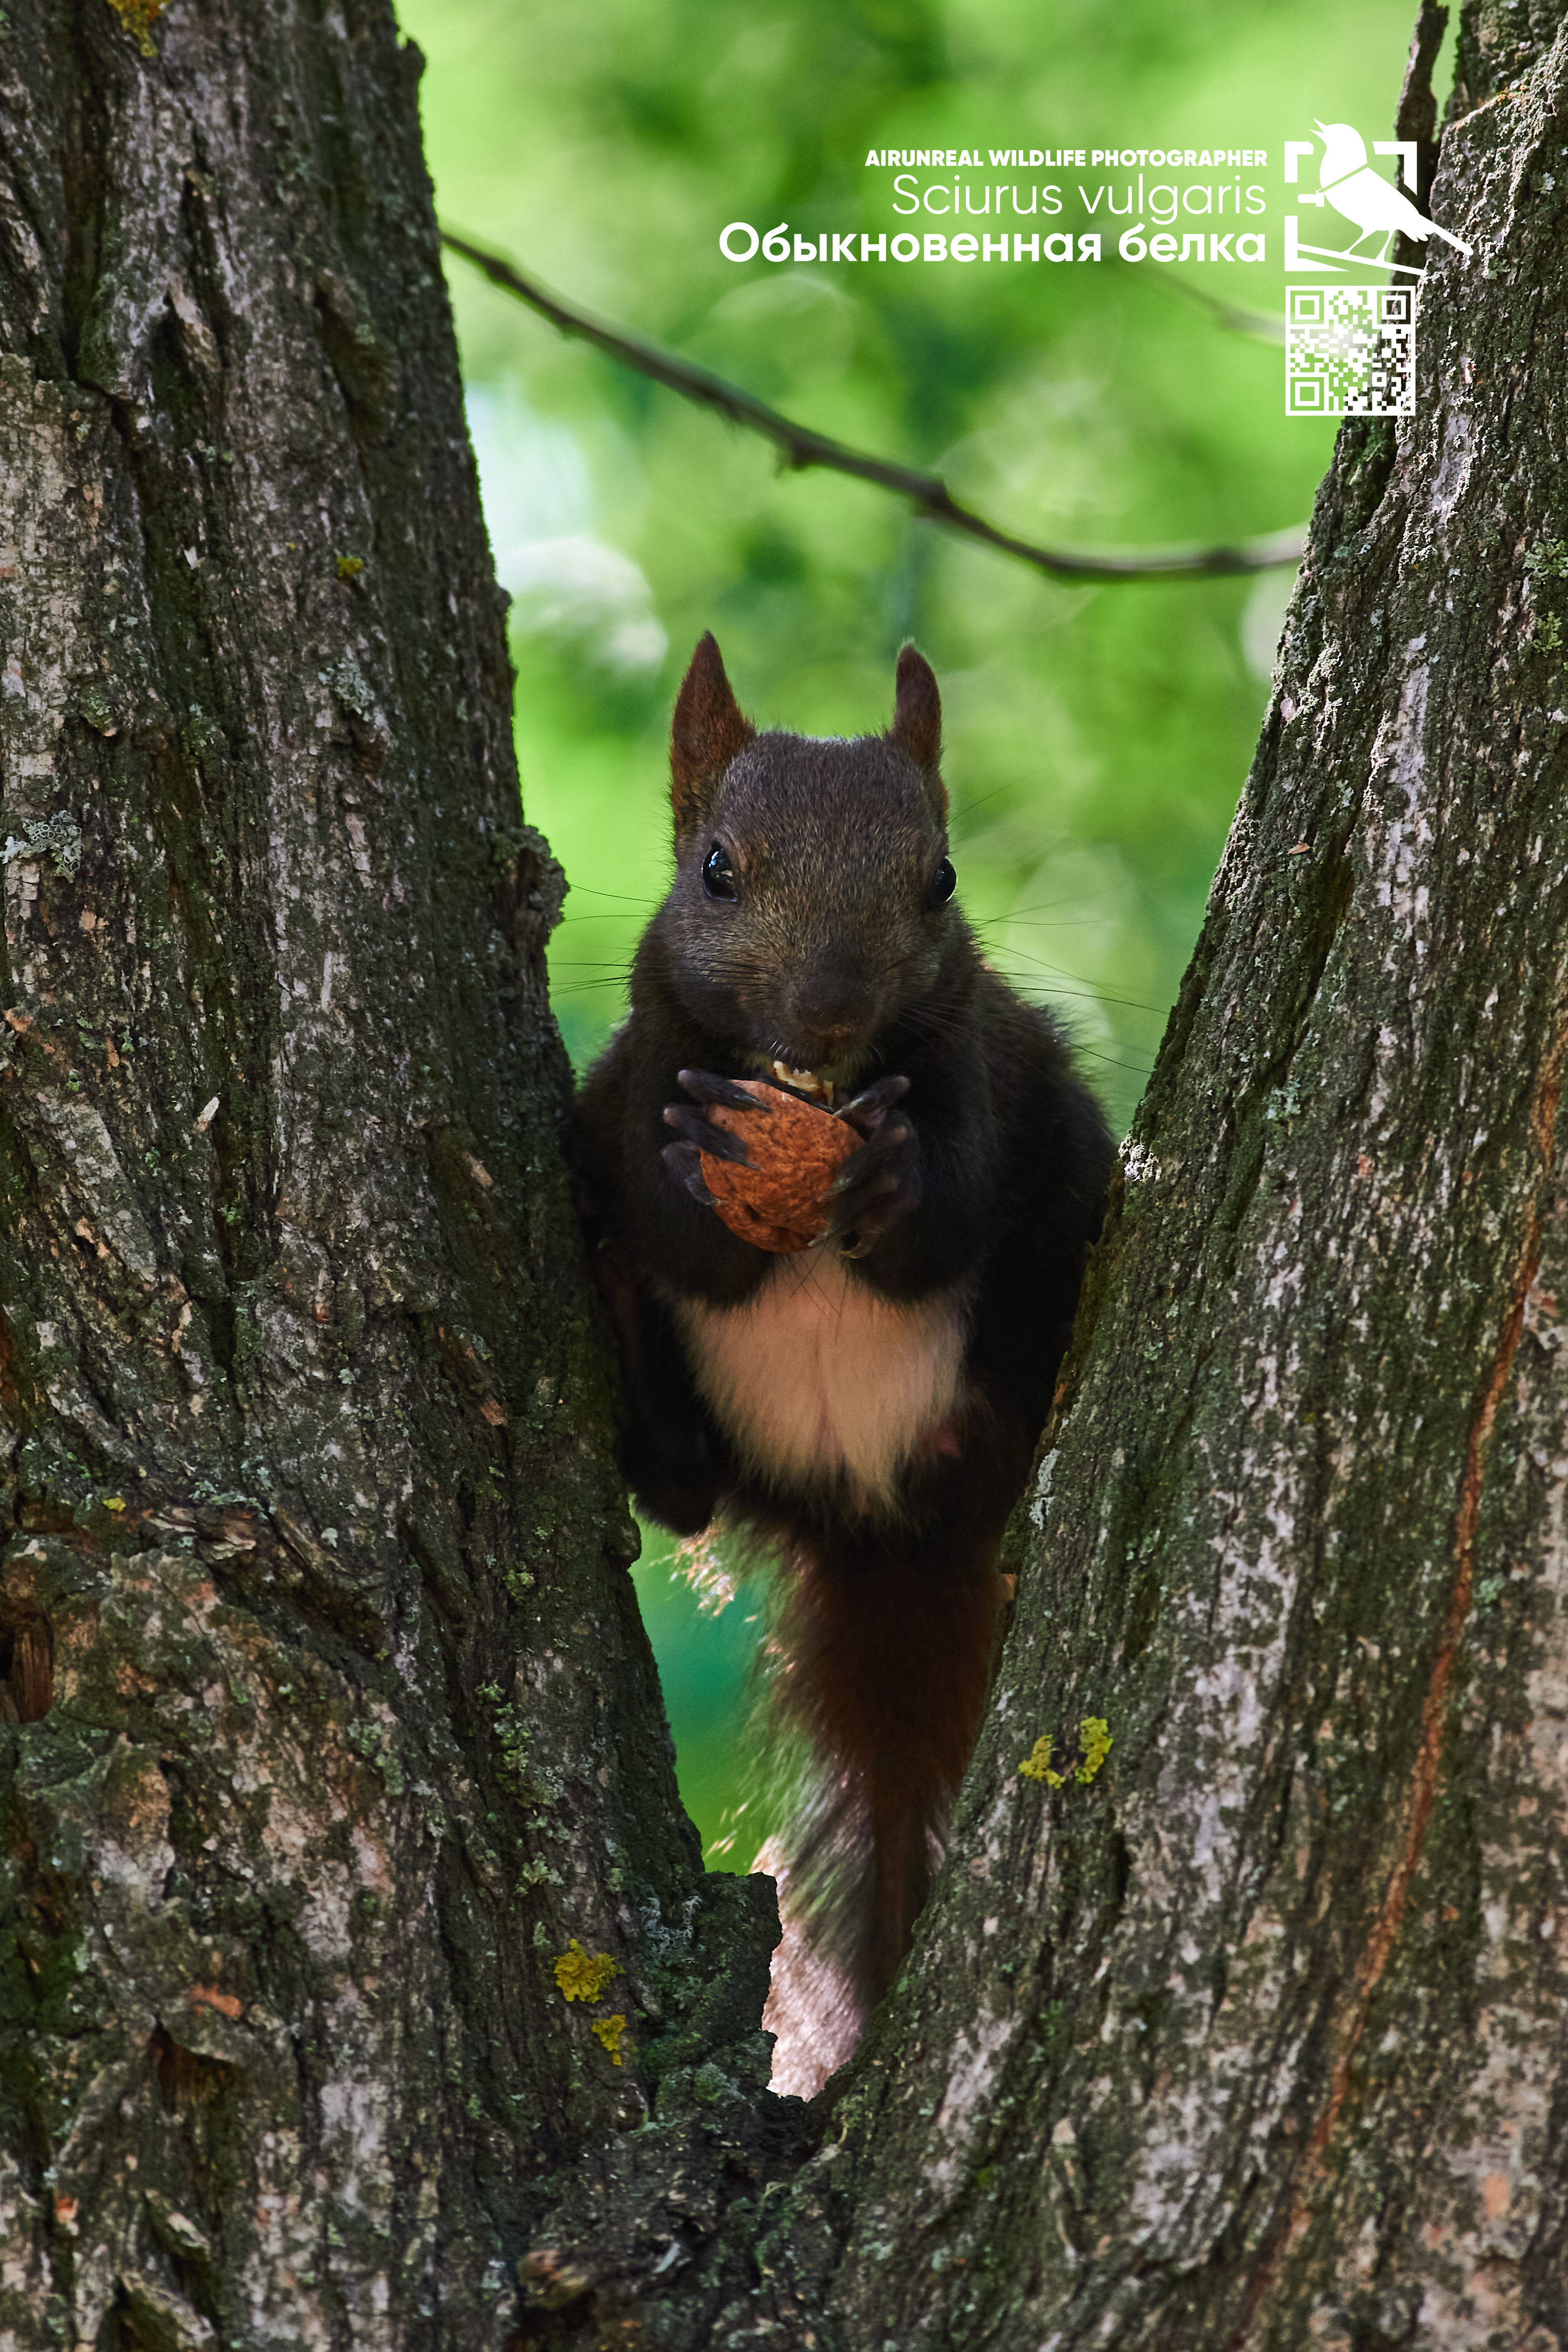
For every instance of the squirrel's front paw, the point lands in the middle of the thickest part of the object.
(880, 1184)
(698, 1133)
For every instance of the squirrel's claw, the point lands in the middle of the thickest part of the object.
(881, 1096)
(684, 1162)
(875, 1189)
(878, 1184)
(871, 1106)
(867, 1178)
(704, 1087)
(699, 1135)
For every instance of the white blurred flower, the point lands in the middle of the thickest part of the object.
(537, 488)
(577, 586)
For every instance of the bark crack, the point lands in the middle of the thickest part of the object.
(1423, 1795)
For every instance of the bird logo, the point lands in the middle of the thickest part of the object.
(1347, 182)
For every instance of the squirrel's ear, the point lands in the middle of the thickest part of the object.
(705, 734)
(917, 717)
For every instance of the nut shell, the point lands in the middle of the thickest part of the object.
(780, 1203)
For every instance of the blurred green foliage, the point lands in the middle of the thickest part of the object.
(1097, 738)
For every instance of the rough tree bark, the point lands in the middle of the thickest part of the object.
(330, 1725)
(1261, 2039)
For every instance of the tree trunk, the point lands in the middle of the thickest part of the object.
(330, 1723)
(1259, 2037)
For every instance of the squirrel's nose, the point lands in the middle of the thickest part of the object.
(832, 1010)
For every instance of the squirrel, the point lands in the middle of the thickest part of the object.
(868, 1408)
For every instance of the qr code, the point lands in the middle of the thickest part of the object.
(1350, 351)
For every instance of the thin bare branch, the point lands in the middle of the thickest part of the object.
(927, 493)
(1236, 321)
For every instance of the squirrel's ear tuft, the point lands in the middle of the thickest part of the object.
(707, 729)
(917, 715)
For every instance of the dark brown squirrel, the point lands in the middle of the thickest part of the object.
(867, 1408)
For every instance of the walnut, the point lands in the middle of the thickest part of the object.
(780, 1203)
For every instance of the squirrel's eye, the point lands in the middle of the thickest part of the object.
(943, 882)
(719, 875)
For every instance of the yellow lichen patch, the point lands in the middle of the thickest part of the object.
(1036, 1764)
(609, 2030)
(348, 566)
(1095, 1743)
(139, 17)
(1094, 1739)
(581, 1978)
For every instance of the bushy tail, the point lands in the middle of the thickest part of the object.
(882, 1647)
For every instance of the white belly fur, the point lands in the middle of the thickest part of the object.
(817, 1379)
